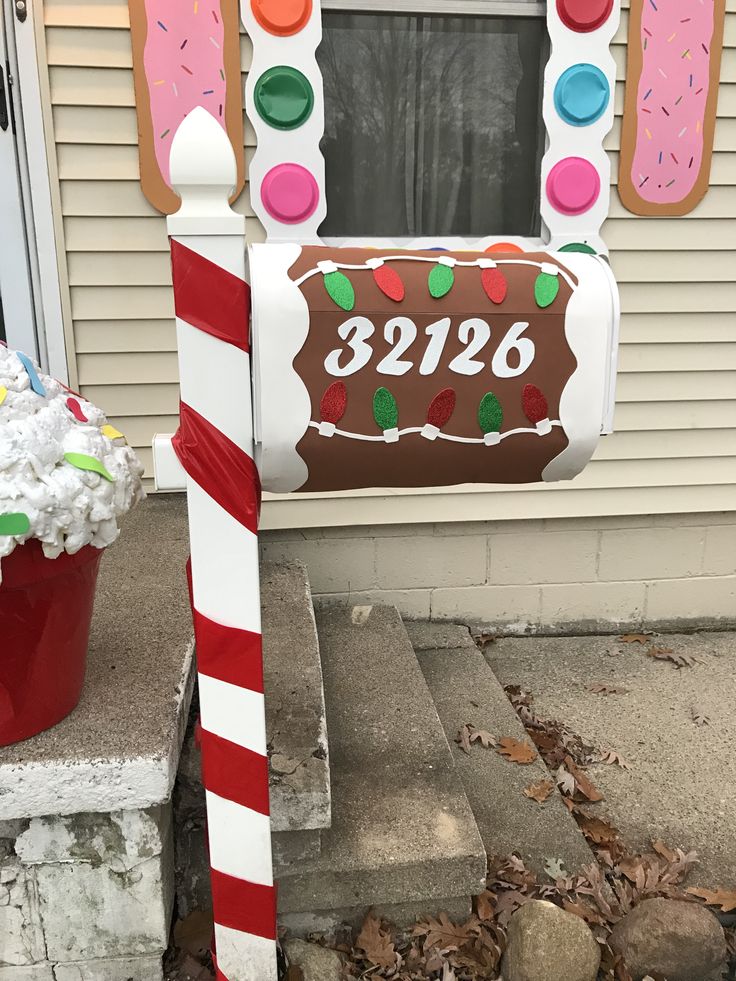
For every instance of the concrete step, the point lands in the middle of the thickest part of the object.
(295, 705)
(403, 838)
(465, 690)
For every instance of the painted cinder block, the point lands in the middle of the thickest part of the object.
(564, 557)
(21, 932)
(720, 550)
(651, 553)
(114, 969)
(514, 609)
(709, 600)
(414, 604)
(34, 972)
(409, 563)
(333, 565)
(591, 605)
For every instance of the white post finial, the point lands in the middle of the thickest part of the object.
(203, 173)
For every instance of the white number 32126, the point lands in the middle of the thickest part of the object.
(401, 332)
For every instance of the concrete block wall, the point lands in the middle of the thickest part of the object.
(546, 576)
(86, 897)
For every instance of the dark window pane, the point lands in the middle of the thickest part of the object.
(432, 124)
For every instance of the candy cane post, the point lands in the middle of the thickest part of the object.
(214, 445)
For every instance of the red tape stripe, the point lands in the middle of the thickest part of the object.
(223, 471)
(244, 906)
(228, 653)
(209, 297)
(234, 772)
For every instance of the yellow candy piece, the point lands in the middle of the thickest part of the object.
(111, 432)
(3, 393)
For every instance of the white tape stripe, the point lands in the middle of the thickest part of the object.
(234, 713)
(240, 840)
(224, 563)
(215, 380)
(244, 957)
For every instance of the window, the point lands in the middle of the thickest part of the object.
(433, 124)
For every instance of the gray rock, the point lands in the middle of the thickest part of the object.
(680, 940)
(545, 943)
(317, 963)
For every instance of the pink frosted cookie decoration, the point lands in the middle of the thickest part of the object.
(672, 87)
(185, 55)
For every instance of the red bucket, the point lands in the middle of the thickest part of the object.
(45, 615)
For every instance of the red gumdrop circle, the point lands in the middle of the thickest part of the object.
(583, 16)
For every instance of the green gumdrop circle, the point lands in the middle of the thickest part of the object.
(283, 97)
(546, 289)
(340, 289)
(490, 414)
(441, 280)
(385, 410)
(578, 247)
(16, 523)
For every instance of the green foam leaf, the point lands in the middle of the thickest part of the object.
(16, 523)
(441, 280)
(546, 289)
(340, 289)
(83, 462)
(490, 414)
(385, 410)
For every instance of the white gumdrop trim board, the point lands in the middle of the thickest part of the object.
(301, 145)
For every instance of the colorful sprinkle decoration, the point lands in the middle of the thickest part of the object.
(83, 462)
(111, 432)
(36, 383)
(76, 410)
(3, 393)
(16, 523)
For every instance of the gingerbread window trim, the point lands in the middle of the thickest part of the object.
(287, 173)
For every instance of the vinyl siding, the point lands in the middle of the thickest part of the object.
(675, 445)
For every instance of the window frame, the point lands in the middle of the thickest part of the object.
(567, 48)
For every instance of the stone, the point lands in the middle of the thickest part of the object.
(111, 969)
(317, 963)
(545, 943)
(465, 690)
(291, 847)
(402, 830)
(35, 972)
(295, 702)
(680, 940)
(21, 930)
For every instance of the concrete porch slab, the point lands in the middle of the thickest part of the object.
(681, 785)
(119, 749)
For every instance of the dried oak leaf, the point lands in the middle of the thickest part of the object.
(555, 869)
(602, 689)
(565, 781)
(483, 638)
(444, 935)
(539, 791)
(484, 905)
(376, 943)
(636, 638)
(723, 898)
(516, 751)
(468, 734)
(699, 717)
(585, 786)
(667, 654)
(596, 829)
(611, 758)
(294, 973)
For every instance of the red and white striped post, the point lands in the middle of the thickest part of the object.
(214, 445)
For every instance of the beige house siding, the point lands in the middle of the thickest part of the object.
(675, 445)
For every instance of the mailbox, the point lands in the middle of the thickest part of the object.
(392, 368)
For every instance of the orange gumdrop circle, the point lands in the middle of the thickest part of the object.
(504, 247)
(282, 17)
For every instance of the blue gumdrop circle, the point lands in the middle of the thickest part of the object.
(582, 94)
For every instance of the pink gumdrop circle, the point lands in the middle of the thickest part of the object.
(573, 186)
(290, 193)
